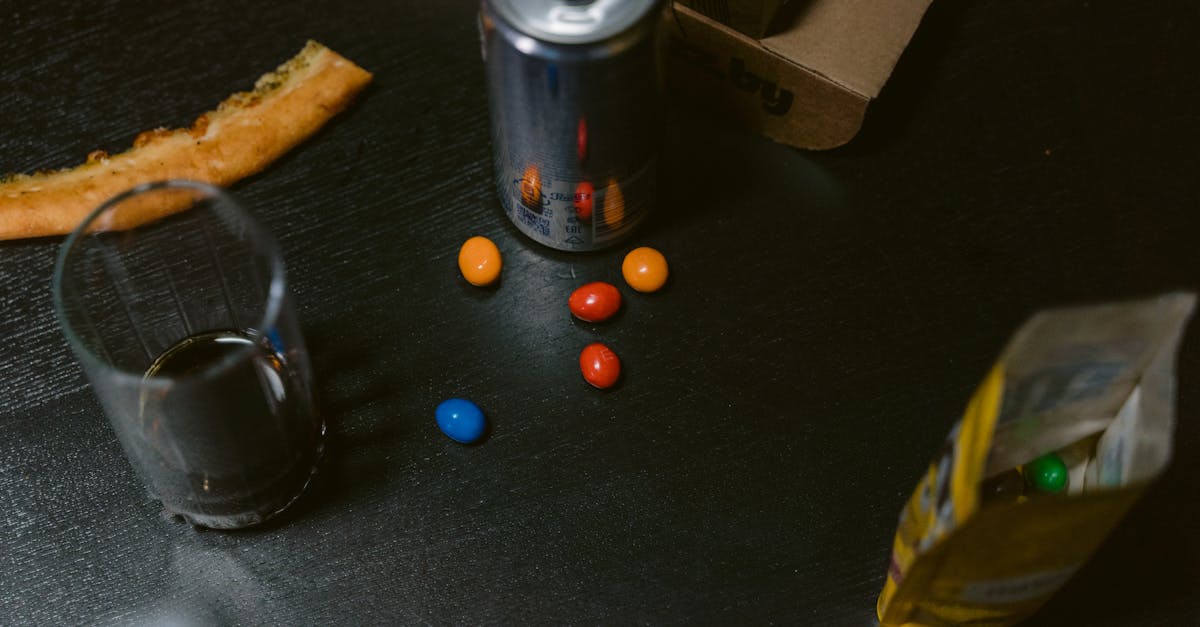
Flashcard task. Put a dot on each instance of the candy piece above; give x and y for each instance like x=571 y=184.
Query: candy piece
x=614 y=205
x=595 y=302
x=1006 y=487
x=584 y=193
x=645 y=269
x=461 y=420
x=479 y=261
x=600 y=365
x=1047 y=474
x=581 y=140
x=531 y=188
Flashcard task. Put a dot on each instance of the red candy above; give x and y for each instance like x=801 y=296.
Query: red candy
x=595 y=302
x=581 y=139
x=601 y=367
x=584 y=194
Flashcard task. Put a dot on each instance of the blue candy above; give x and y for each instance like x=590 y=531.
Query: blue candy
x=461 y=420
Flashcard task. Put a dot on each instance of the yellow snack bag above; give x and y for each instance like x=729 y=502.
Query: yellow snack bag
x=1072 y=423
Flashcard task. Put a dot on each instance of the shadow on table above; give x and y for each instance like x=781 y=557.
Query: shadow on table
x=890 y=116
x=351 y=389
x=711 y=173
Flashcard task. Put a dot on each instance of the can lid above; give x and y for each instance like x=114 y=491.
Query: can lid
x=572 y=21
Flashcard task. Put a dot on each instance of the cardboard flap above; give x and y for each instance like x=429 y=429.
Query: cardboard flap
x=853 y=43
x=715 y=66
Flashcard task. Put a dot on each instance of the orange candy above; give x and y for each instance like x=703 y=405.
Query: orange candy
x=479 y=261
x=614 y=205
x=531 y=188
x=645 y=269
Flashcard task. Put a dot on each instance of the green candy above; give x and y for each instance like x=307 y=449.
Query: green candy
x=1047 y=474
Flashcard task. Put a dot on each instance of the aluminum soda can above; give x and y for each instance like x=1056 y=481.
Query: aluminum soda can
x=576 y=115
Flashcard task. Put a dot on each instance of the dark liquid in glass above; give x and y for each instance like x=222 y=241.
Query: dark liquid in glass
x=234 y=438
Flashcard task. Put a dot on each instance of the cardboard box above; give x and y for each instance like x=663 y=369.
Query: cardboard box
x=807 y=86
x=755 y=18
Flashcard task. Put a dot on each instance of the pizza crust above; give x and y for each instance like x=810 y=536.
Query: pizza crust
x=242 y=136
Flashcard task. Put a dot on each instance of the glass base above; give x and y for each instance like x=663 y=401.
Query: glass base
x=300 y=477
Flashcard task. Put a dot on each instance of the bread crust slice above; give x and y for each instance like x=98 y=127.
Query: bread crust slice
x=242 y=136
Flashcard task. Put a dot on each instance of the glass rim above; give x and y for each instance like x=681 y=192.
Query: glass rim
x=263 y=236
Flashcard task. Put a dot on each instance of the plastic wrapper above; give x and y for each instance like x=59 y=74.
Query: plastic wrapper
x=977 y=543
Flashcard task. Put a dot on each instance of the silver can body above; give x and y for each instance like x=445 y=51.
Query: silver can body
x=576 y=115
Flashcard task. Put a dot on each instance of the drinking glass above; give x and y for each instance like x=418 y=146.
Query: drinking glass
x=187 y=333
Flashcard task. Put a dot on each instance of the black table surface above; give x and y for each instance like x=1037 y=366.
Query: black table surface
x=828 y=317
